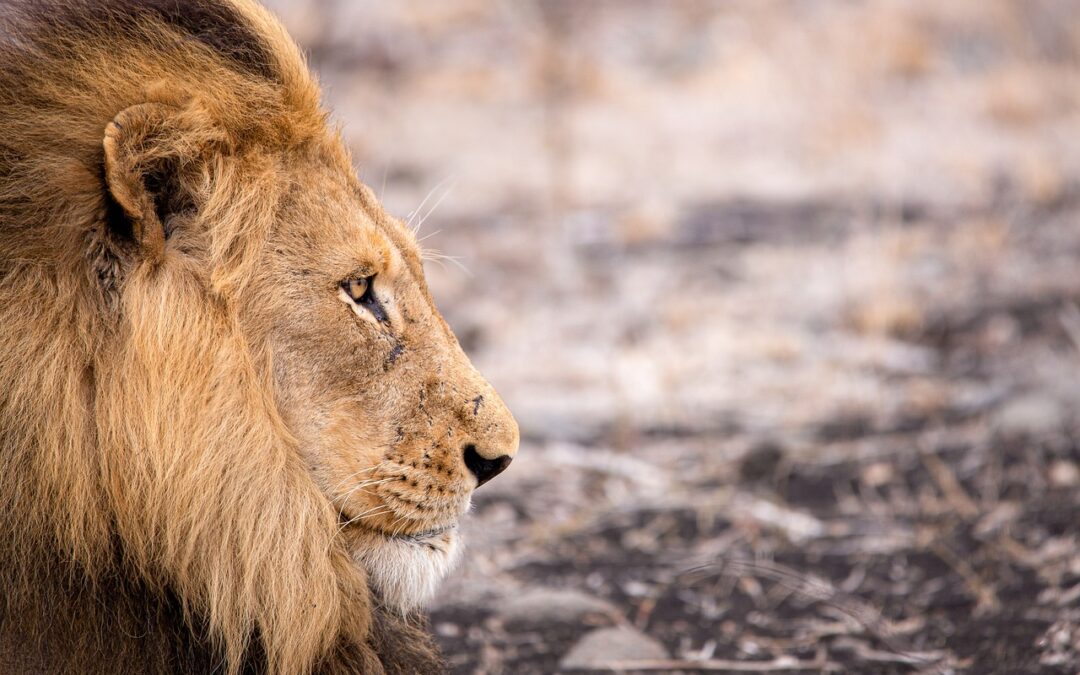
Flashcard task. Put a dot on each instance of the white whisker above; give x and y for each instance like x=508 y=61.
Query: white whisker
x=346 y=479
x=400 y=519
x=366 y=484
x=370 y=513
x=360 y=487
x=438 y=257
x=416 y=211
x=427 y=215
x=382 y=190
x=427 y=236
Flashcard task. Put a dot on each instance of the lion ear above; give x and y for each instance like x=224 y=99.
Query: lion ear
x=142 y=172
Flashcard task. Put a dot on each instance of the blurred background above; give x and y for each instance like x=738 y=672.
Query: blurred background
x=786 y=299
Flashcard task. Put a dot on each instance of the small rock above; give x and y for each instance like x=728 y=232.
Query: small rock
x=637 y=589
x=760 y=462
x=1064 y=474
x=877 y=474
x=548 y=605
x=605 y=645
x=1030 y=415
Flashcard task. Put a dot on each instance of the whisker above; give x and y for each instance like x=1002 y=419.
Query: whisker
x=416 y=211
x=346 y=479
x=368 y=483
x=438 y=257
x=403 y=522
x=360 y=486
x=427 y=215
x=370 y=513
x=427 y=236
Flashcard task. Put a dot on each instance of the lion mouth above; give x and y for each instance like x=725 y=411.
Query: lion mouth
x=425 y=536
x=422 y=537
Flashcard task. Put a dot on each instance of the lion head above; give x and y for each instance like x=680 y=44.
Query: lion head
x=394 y=423
x=225 y=390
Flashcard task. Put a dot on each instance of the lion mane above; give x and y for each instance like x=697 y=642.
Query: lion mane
x=137 y=534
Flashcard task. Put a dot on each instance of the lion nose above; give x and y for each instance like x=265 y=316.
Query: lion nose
x=484 y=469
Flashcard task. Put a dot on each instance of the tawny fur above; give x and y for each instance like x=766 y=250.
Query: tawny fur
x=203 y=448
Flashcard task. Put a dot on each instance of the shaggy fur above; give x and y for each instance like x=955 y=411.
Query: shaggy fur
x=210 y=455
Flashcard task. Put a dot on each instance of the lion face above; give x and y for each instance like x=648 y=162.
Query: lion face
x=393 y=421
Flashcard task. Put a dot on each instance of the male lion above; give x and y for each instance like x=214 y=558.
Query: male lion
x=235 y=433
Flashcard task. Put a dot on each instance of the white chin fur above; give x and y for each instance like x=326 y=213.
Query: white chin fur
x=407 y=572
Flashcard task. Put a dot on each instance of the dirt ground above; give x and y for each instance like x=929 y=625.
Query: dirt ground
x=786 y=299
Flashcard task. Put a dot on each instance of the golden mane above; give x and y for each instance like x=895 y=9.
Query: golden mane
x=136 y=532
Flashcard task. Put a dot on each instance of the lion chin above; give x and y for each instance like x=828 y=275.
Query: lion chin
x=405 y=570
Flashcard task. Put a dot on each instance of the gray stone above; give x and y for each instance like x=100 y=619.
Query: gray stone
x=549 y=605
x=1030 y=415
x=603 y=646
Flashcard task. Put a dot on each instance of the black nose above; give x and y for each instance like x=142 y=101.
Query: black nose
x=484 y=469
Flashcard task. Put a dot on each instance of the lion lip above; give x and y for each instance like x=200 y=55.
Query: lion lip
x=419 y=537
x=345 y=521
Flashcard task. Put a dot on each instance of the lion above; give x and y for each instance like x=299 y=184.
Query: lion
x=235 y=433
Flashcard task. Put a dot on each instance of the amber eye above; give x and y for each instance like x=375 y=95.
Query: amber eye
x=360 y=291
x=356 y=289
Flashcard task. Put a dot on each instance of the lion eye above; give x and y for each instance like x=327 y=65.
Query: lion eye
x=356 y=289
x=360 y=291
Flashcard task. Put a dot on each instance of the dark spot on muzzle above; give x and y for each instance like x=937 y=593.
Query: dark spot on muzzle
x=397 y=350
